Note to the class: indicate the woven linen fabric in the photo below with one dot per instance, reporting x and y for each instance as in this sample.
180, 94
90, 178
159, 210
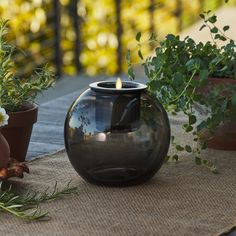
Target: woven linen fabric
182, 199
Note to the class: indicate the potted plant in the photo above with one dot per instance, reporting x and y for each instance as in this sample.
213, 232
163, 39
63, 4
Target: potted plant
17, 96
196, 78
8, 166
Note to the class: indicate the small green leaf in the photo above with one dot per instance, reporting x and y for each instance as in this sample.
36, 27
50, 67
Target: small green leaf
153, 37
222, 38
138, 36
212, 19
179, 148
189, 129
203, 75
202, 16
171, 37
217, 36
167, 157
131, 73
140, 54
202, 27
188, 148
175, 157
192, 119
193, 64
198, 160
214, 30
128, 56
226, 27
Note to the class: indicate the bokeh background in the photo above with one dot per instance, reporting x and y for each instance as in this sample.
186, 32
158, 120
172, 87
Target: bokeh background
91, 36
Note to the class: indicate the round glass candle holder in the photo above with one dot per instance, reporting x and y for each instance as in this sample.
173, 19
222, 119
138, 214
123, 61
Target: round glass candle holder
116, 136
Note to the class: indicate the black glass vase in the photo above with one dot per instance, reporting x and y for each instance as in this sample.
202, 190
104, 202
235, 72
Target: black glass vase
116, 136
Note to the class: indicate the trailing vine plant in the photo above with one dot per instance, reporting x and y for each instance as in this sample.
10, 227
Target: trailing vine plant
178, 75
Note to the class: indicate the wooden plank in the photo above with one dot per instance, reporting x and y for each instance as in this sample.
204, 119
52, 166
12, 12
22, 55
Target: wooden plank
48, 132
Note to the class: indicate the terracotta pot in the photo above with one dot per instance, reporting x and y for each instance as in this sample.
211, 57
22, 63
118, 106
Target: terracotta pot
4, 151
18, 131
225, 135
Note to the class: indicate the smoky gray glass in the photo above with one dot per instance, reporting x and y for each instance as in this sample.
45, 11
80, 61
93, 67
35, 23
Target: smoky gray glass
116, 138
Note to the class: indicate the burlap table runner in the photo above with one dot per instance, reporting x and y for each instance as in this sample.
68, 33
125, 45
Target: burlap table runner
182, 199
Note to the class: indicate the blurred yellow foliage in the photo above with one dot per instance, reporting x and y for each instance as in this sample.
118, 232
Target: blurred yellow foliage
31, 24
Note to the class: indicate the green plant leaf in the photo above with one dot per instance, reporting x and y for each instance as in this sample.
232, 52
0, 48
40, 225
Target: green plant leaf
198, 160
193, 64
131, 73
140, 54
192, 119
189, 128
217, 36
214, 30
202, 16
153, 37
226, 27
175, 157
179, 148
212, 19
25, 206
188, 148
222, 38
202, 27
127, 57
203, 76
138, 36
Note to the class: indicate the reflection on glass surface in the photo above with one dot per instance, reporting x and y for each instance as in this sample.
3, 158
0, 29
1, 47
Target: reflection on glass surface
116, 138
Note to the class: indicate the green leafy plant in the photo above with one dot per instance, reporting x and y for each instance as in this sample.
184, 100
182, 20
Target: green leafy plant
26, 206
16, 93
179, 71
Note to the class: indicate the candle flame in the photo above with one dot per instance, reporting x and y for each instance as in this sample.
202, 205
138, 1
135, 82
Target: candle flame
118, 83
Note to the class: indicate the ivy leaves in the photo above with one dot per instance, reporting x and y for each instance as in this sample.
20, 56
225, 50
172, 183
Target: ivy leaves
209, 22
179, 74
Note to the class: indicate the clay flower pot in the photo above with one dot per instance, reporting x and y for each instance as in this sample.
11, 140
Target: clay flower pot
224, 137
18, 131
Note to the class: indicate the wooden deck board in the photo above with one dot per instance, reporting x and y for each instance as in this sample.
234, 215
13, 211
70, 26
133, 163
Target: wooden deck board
48, 132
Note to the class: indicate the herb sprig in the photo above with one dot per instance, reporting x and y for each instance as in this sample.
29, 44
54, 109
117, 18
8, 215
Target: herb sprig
15, 93
26, 206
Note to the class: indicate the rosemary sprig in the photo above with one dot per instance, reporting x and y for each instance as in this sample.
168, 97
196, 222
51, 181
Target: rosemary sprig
26, 206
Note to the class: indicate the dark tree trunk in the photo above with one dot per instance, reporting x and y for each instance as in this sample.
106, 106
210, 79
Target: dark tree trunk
178, 14
77, 28
57, 32
119, 31
152, 20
